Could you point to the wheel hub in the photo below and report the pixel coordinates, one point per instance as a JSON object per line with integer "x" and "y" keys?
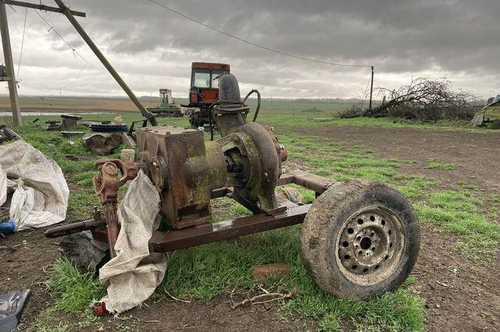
{"x": 370, "y": 243}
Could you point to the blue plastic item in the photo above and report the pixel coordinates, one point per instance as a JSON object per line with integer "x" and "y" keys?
{"x": 8, "y": 227}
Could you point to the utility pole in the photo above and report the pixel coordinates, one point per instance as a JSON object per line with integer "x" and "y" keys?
{"x": 62, "y": 9}
{"x": 9, "y": 66}
{"x": 371, "y": 90}
{"x": 67, "y": 12}
{"x": 7, "y": 50}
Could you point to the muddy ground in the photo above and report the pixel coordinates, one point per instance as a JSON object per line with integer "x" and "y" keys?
{"x": 459, "y": 295}
{"x": 475, "y": 155}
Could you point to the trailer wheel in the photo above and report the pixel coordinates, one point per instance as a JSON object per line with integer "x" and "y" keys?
{"x": 360, "y": 240}
{"x": 84, "y": 252}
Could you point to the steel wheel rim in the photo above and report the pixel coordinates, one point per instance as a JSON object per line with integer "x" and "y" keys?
{"x": 369, "y": 246}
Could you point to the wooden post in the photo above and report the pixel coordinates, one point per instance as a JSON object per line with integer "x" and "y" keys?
{"x": 9, "y": 65}
{"x": 371, "y": 90}
{"x": 67, "y": 12}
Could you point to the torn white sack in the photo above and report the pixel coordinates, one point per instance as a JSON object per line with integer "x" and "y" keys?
{"x": 41, "y": 192}
{"x": 3, "y": 186}
{"x": 129, "y": 283}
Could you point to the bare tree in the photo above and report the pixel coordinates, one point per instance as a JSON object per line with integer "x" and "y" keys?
{"x": 424, "y": 99}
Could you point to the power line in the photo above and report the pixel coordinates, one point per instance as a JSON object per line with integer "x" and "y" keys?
{"x": 52, "y": 28}
{"x": 245, "y": 41}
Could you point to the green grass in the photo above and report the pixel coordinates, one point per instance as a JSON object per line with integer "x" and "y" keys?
{"x": 460, "y": 213}
{"x": 205, "y": 272}
{"x": 440, "y": 166}
{"x": 73, "y": 290}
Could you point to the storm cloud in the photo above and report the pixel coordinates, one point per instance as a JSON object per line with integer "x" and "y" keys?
{"x": 153, "y": 47}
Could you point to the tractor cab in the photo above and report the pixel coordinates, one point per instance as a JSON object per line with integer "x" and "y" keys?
{"x": 204, "y": 90}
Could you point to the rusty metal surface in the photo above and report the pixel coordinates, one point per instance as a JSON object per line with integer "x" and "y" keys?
{"x": 184, "y": 169}
{"x": 107, "y": 184}
{"x": 86, "y": 225}
{"x": 194, "y": 236}
{"x": 210, "y": 66}
{"x": 254, "y": 166}
{"x": 103, "y": 144}
{"x": 70, "y": 122}
{"x": 312, "y": 182}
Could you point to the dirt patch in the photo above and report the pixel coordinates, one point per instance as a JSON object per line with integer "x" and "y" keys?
{"x": 31, "y": 255}
{"x": 25, "y": 257}
{"x": 473, "y": 154}
{"x": 459, "y": 296}
{"x": 167, "y": 315}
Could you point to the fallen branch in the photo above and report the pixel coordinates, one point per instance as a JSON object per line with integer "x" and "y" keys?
{"x": 154, "y": 321}
{"x": 261, "y": 299}
{"x": 176, "y": 299}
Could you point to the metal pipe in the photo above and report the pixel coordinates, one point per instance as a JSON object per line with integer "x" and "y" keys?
{"x": 312, "y": 182}
{"x": 113, "y": 229}
{"x": 76, "y": 227}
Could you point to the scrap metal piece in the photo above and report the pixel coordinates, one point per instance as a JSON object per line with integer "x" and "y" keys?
{"x": 109, "y": 128}
{"x": 107, "y": 137}
{"x": 206, "y": 233}
{"x": 312, "y": 182}
{"x": 103, "y": 144}
{"x": 7, "y": 134}
{"x": 70, "y": 122}
{"x": 75, "y": 227}
{"x": 11, "y": 309}
{"x": 107, "y": 184}
{"x": 53, "y": 125}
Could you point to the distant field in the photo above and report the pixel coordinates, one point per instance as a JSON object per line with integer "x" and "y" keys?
{"x": 119, "y": 104}
{"x": 32, "y": 103}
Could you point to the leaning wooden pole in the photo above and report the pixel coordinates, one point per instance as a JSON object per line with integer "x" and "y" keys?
{"x": 9, "y": 66}
{"x": 67, "y": 12}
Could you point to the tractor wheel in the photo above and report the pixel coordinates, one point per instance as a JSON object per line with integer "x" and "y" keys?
{"x": 360, "y": 240}
{"x": 84, "y": 252}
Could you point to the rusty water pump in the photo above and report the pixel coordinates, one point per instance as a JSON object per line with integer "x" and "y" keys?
{"x": 358, "y": 239}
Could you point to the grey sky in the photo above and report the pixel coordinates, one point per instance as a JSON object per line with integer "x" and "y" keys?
{"x": 153, "y": 48}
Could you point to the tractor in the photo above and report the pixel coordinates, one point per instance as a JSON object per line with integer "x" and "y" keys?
{"x": 167, "y": 107}
{"x": 357, "y": 239}
{"x": 204, "y": 91}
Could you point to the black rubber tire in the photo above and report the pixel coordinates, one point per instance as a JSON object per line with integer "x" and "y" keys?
{"x": 109, "y": 128}
{"x": 323, "y": 226}
{"x": 84, "y": 252}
